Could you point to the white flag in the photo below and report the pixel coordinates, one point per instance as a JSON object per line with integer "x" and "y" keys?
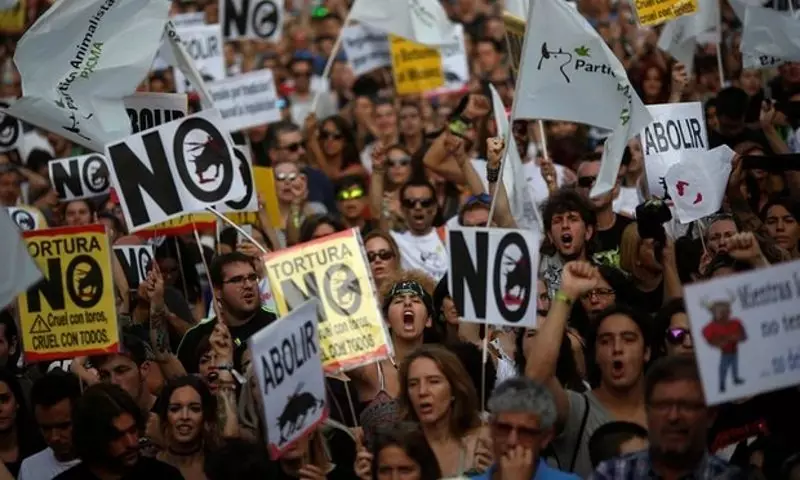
{"x": 518, "y": 8}
{"x": 679, "y": 37}
{"x": 568, "y": 73}
{"x": 19, "y": 269}
{"x": 519, "y": 198}
{"x": 80, "y": 59}
{"x": 421, "y": 21}
{"x": 697, "y": 183}
{"x": 177, "y": 56}
{"x": 769, "y": 37}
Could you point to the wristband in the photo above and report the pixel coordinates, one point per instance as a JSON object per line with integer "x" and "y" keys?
{"x": 563, "y": 297}
{"x": 492, "y": 174}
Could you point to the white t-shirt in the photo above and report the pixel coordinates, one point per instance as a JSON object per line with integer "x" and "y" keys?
{"x": 627, "y": 201}
{"x": 426, "y": 253}
{"x": 43, "y": 466}
{"x": 366, "y": 157}
{"x": 536, "y": 184}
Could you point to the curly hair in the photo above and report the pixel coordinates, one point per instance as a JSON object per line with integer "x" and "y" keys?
{"x": 428, "y": 284}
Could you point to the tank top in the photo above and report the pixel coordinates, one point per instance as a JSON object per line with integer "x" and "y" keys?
{"x": 381, "y": 410}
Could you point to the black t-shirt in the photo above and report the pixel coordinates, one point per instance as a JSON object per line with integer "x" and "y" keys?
{"x": 145, "y": 468}
{"x": 716, "y": 139}
{"x": 612, "y": 238}
{"x": 187, "y": 351}
{"x": 648, "y": 302}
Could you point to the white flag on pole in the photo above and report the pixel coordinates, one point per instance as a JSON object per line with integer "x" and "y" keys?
{"x": 697, "y": 183}
{"x": 421, "y": 21}
{"x": 568, "y": 73}
{"x": 679, "y": 37}
{"x": 769, "y": 37}
{"x": 519, "y": 198}
{"x": 518, "y": 8}
{"x": 76, "y": 91}
{"x": 19, "y": 269}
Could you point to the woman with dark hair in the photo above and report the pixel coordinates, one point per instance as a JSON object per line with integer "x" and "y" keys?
{"x": 399, "y": 450}
{"x": 759, "y": 185}
{"x": 392, "y": 167}
{"x": 780, "y": 219}
{"x": 318, "y": 226}
{"x": 672, "y": 322}
{"x": 187, "y": 411}
{"x": 437, "y": 393}
{"x": 333, "y": 146}
{"x": 19, "y": 436}
{"x": 174, "y": 261}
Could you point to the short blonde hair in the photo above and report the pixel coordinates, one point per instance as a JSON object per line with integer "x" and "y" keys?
{"x": 629, "y": 247}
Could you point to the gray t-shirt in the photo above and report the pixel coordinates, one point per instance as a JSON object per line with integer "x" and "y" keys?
{"x": 564, "y": 445}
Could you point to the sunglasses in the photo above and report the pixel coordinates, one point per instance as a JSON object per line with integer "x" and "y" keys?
{"x": 285, "y": 176}
{"x": 330, "y": 135}
{"x": 382, "y": 254}
{"x": 293, "y": 147}
{"x": 352, "y": 194}
{"x": 400, "y": 162}
{"x": 586, "y": 182}
{"x": 422, "y": 202}
{"x": 600, "y": 292}
{"x": 676, "y": 336}
{"x": 483, "y": 198}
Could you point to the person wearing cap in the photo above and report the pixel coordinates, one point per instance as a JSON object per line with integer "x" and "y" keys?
{"x": 475, "y": 211}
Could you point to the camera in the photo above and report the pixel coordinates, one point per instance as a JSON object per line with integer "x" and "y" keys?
{"x": 650, "y": 219}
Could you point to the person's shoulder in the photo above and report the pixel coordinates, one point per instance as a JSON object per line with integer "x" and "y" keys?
{"x": 78, "y": 472}
{"x": 151, "y": 466}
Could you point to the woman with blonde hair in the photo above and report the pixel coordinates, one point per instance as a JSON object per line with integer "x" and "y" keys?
{"x": 436, "y": 392}
{"x": 653, "y": 270}
{"x": 383, "y": 255}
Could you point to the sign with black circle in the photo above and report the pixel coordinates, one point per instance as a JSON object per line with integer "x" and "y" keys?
{"x": 24, "y": 218}
{"x": 252, "y": 19}
{"x": 79, "y": 177}
{"x": 492, "y": 275}
{"x": 265, "y": 19}
{"x": 10, "y": 129}
{"x": 185, "y": 166}
{"x": 136, "y": 262}
{"x": 95, "y": 174}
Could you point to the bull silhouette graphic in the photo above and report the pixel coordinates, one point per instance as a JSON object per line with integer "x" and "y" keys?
{"x": 298, "y": 407}
{"x": 211, "y": 155}
{"x": 518, "y": 276}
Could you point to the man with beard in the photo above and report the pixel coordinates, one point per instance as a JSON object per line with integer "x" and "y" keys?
{"x": 610, "y": 225}
{"x": 569, "y": 222}
{"x": 235, "y": 283}
{"x": 618, "y": 343}
{"x": 105, "y": 429}
{"x": 677, "y": 421}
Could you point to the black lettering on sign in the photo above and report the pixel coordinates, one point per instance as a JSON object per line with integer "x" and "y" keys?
{"x": 197, "y": 142}
{"x": 282, "y": 360}
{"x": 82, "y": 276}
{"x": 66, "y": 178}
{"x": 95, "y": 174}
{"x": 673, "y": 135}
{"x": 247, "y": 177}
{"x": 342, "y": 290}
{"x": 136, "y": 262}
{"x": 202, "y": 48}
{"x": 236, "y": 13}
{"x": 10, "y": 129}
{"x": 469, "y": 277}
{"x": 148, "y": 118}
{"x": 511, "y": 277}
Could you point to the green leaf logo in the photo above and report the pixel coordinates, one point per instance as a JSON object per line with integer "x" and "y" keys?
{"x": 625, "y": 116}
{"x": 582, "y": 51}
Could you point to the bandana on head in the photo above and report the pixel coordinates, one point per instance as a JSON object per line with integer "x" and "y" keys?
{"x": 410, "y": 287}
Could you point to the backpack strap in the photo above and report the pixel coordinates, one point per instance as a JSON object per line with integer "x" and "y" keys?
{"x": 580, "y": 433}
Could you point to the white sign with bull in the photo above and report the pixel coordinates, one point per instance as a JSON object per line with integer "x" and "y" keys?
{"x": 288, "y": 366}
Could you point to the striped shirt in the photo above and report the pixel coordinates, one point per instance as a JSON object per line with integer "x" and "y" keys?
{"x": 637, "y": 466}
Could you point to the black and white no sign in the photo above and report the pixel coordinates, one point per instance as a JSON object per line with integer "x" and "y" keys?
{"x": 79, "y": 177}
{"x": 492, "y": 275}
{"x": 136, "y": 262}
{"x": 181, "y": 167}
{"x": 288, "y": 366}
{"x": 251, "y": 19}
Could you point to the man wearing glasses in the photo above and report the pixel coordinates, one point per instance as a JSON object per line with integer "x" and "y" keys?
{"x": 523, "y": 416}
{"x": 351, "y": 202}
{"x": 236, "y": 293}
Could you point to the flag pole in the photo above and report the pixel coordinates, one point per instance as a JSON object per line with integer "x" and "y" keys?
{"x": 329, "y": 63}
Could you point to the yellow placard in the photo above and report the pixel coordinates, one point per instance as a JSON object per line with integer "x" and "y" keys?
{"x": 180, "y": 225}
{"x": 242, "y": 218}
{"x": 416, "y": 68}
{"x": 72, "y": 311}
{"x": 333, "y": 269}
{"x": 654, "y": 12}
{"x": 265, "y": 186}
{"x": 13, "y": 20}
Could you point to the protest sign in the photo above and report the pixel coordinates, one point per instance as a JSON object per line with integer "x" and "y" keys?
{"x": 12, "y": 20}
{"x": 492, "y": 274}
{"x": 416, "y": 68}
{"x": 769, "y": 37}
{"x": 19, "y": 270}
{"x": 77, "y": 91}
{"x": 454, "y": 62}
{"x": 654, "y": 12}
{"x": 136, "y": 261}
{"x": 366, "y": 49}
{"x": 147, "y": 110}
{"x": 248, "y": 202}
{"x": 746, "y": 331}
{"x": 181, "y": 225}
{"x": 334, "y": 270}
{"x": 265, "y": 187}
{"x": 26, "y": 218}
{"x": 79, "y": 177}
{"x": 10, "y": 130}
{"x": 246, "y": 100}
{"x": 151, "y": 172}
{"x": 72, "y": 311}
{"x": 697, "y": 184}
{"x": 676, "y": 129}
{"x": 203, "y": 44}
{"x": 286, "y": 357}
{"x": 251, "y": 19}
{"x": 188, "y": 19}
{"x": 175, "y": 54}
